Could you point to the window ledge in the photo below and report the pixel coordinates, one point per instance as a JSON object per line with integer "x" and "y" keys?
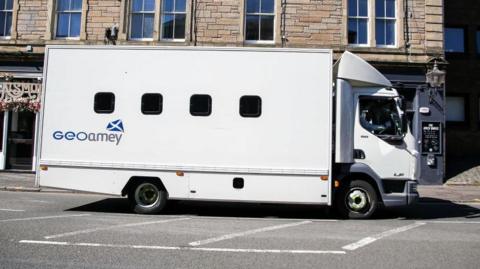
{"x": 359, "y": 46}
{"x": 260, "y": 42}
{"x": 68, "y": 38}
{"x": 387, "y": 46}
{"x": 175, "y": 40}
{"x": 141, "y": 39}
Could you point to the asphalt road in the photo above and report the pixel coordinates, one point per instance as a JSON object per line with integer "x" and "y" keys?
{"x": 65, "y": 230}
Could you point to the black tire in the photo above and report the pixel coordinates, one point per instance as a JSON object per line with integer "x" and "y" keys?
{"x": 356, "y": 200}
{"x": 147, "y": 197}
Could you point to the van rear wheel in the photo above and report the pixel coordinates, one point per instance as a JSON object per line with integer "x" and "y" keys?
{"x": 147, "y": 197}
{"x": 357, "y": 200}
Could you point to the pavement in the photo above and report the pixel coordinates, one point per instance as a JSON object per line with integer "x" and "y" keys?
{"x": 462, "y": 193}
{"x": 18, "y": 181}
{"x": 463, "y": 170}
{"x": 65, "y": 230}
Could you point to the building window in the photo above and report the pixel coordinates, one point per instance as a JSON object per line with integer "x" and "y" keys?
{"x": 259, "y": 20}
{"x": 385, "y": 21}
{"x": 104, "y": 102}
{"x": 250, "y": 106}
{"x": 358, "y": 22}
{"x": 142, "y": 16}
{"x": 200, "y": 105}
{"x": 173, "y": 19}
{"x": 6, "y": 11}
{"x": 69, "y": 15}
{"x": 454, "y": 40}
{"x": 455, "y": 108}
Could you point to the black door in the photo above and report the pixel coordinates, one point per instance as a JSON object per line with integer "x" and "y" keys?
{"x": 21, "y": 126}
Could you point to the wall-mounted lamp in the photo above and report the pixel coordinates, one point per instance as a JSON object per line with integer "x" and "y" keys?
{"x": 435, "y": 76}
{"x": 435, "y": 79}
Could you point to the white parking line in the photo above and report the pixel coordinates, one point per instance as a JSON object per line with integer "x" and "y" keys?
{"x": 241, "y": 250}
{"x": 368, "y": 240}
{"x": 260, "y": 218}
{"x": 233, "y": 235}
{"x": 38, "y": 201}
{"x": 453, "y": 222}
{"x": 250, "y": 250}
{"x": 112, "y": 227}
{"x": 45, "y": 217}
{"x": 12, "y": 210}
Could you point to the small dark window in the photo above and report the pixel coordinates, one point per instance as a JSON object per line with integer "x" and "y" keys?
{"x": 455, "y": 40}
{"x": 104, "y": 102}
{"x": 200, "y": 105}
{"x": 250, "y": 106}
{"x": 238, "y": 183}
{"x": 152, "y": 103}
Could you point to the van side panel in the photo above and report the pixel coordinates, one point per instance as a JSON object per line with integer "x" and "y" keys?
{"x": 291, "y": 138}
{"x": 196, "y": 186}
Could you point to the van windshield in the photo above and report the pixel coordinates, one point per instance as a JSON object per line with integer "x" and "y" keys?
{"x": 380, "y": 116}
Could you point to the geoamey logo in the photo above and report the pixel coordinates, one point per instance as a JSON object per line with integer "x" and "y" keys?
{"x": 114, "y": 134}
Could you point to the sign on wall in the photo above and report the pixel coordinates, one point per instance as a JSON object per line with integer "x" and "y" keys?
{"x": 20, "y": 96}
{"x": 431, "y": 137}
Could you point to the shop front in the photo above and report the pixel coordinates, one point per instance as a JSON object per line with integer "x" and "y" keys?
{"x": 19, "y": 107}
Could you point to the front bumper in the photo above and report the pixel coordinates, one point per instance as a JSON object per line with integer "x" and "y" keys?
{"x": 412, "y": 193}
{"x": 408, "y": 197}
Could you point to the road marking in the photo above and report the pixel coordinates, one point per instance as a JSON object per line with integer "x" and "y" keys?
{"x": 38, "y": 201}
{"x": 44, "y": 242}
{"x": 249, "y": 250}
{"x": 11, "y": 210}
{"x": 241, "y": 250}
{"x": 453, "y": 222}
{"x": 45, "y": 217}
{"x": 474, "y": 203}
{"x": 112, "y": 227}
{"x": 368, "y": 240}
{"x": 261, "y": 218}
{"x": 233, "y": 235}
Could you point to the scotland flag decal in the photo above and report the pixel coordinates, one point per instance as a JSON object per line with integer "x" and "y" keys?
{"x": 115, "y": 126}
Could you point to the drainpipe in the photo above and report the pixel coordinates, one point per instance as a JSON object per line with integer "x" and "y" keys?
{"x": 406, "y": 29}
{"x": 283, "y": 23}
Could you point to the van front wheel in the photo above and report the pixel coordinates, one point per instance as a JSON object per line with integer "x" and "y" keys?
{"x": 147, "y": 197}
{"x": 357, "y": 200}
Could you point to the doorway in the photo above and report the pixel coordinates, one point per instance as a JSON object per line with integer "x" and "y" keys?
{"x": 20, "y": 140}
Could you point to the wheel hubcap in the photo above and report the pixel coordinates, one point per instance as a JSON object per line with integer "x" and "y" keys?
{"x": 357, "y": 200}
{"x": 146, "y": 194}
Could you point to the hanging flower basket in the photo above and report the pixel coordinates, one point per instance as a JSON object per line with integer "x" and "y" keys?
{"x": 20, "y": 105}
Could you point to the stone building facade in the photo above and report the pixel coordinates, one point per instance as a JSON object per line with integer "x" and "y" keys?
{"x": 298, "y": 23}
{"x": 462, "y": 51}
{"x": 398, "y": 36}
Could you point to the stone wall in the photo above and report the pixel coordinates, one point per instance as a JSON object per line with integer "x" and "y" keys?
{"x": 31, "y": 19}
{"x": 314, "y": 23}
{"x": 101, "y": 14}
{"x": 308, "y": 23}
{"x": 434, "y": 26}
{"x": 219, "y": 22}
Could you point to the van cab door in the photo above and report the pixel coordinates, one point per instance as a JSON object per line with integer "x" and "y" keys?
{"x": 378, "y": 137}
